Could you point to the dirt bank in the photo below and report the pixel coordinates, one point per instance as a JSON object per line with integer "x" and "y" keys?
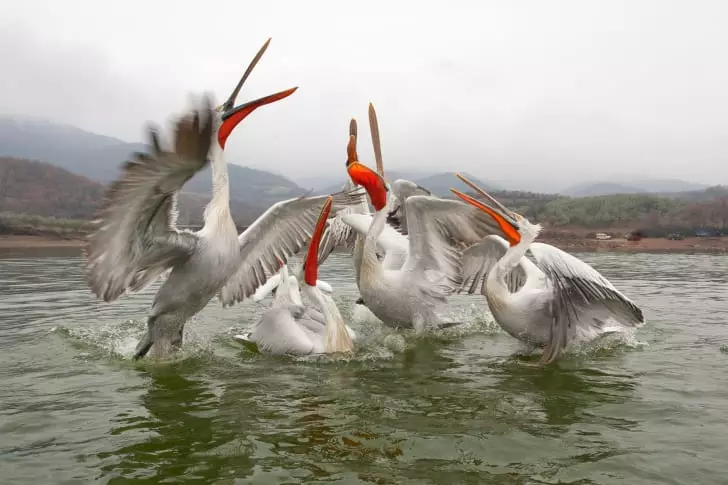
{"x": 717, "y": 245}
{"x": 16, "y": 242}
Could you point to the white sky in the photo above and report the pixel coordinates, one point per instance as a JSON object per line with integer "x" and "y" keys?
{"x": 564, "y": 90}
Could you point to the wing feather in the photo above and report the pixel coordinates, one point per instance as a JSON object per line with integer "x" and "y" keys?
{"x": 402, "y": 190}
{"x": 578, "y": 288}
{"x": 478, "y": 261}
{"x": 275, "y": 236}
{"x": 338, "y": 234}
{"x": 136, "y": 239}
{"x": 438, "y": 230}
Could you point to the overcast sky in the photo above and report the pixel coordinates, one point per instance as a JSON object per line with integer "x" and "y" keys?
{"x": 564, "y": 90}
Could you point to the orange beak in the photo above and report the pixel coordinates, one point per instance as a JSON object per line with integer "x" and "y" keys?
{"x": 310, "y": 274}
{"x": 510, "y": 229}
{"x": 371, "y": 181}
{"x": 232, "y": 116}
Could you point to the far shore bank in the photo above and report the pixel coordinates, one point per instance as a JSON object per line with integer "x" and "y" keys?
{"x": 715, "y": 245}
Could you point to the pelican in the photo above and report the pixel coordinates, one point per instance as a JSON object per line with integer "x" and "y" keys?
{"x": 289, "y": 327}
{"x": 407, "y": 297}
{"x": 557, "y": 300}
{"x": 137, "y": 239}
{"x": 340, "y": 234}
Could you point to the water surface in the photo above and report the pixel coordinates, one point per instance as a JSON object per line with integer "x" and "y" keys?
{"x": 455, "y": 407}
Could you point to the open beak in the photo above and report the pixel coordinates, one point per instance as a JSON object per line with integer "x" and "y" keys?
{"x": 231, "y": 115}
{"x": 310, "y": 270}
{"x": 371, "y": 181}
{"x": 507, "y": 223}
{"x": 489, "y": 197}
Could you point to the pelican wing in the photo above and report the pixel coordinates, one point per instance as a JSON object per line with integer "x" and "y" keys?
{"x": 136, "y": 240}
{"x": 438, "y": 229}
{"x": 578, "y": 289}
{"x": 274, "y": 237}
{"x": 478, "y": 261}
{"x": 402, "y": 190}
{"x": 394, "y": 245}
{"x": 337, "y": 233}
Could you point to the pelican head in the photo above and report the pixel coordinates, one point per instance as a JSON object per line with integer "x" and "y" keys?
{"x": 374, "y": 184}
{"x": 232, "y": 115}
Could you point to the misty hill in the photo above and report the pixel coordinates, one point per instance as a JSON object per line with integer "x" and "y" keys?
{"x": 439, "y": 183}
{"x": 39, "y": 188}
{"x": 645, "y": 186}
{"x": 98, "y": 157}
{"x": 324, "y": 183}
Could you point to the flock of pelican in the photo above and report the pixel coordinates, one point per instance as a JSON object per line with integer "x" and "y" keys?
{"x": 411, "y": 252}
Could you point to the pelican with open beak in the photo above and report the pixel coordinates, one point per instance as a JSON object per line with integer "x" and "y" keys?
{"x": 558, "y": 300}
{"x": 137, "y": 239}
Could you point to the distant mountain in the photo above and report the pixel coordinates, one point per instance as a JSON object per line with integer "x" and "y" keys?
{"x": 439, "y": 183}
{"x": 39, "y": 188}
{"x": 99, "y": 157}
{"x": 645, "y": 186}
{"x": 601, "y": 188}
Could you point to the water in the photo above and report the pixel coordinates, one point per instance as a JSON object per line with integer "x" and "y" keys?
{"x": 451, "y": 408}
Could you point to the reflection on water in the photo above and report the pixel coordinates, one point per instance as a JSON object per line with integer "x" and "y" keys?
{"x": 453, "y": 407}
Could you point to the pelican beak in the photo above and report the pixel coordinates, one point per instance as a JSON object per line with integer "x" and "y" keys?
{"x": 489, "y": 197}
{"x": 310, "y": 264}
{"x": 351, "y": 155}
{"x": 231, "y": 115}
{"x": 508, "y": 224}
{"x": 374, "y": 184}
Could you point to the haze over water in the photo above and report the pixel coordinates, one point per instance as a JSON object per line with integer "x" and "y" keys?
{"x": 451, "y": 408}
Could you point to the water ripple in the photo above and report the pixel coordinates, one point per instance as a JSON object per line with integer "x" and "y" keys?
{"x": 454, "y": 407}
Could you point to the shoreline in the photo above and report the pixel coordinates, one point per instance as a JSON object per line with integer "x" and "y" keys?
{"x": 694, "y": 245}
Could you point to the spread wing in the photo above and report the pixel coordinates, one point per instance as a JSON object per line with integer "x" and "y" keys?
{"x": 579, "y": 290}
{"x": 394, "y": 245}
{"x": 402, "y": 190}
{"x": 136, "y": 240}
{"x": 438, "y": 230}
{"x": 275, "y": 236}
{"x": 478, "y": 261}
{"x": 337, "y": 233}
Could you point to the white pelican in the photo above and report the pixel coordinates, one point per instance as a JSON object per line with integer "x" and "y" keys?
{"x": 137, "y": 239}
{"x": 549, "y": 304}
{"x": 341, "y": 234}
{"x": 289, "y": 327}
{"x": 407, "y": 297}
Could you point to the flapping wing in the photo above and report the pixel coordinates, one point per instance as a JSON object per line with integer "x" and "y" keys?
{"x": 274, "y": 237}
{"x": 394, "y": 245}
{"x": 338, "y": 234}
{"x": 438, "y": 231}
{"x": 136, "y": 240}
{"x": 478, "y": 261}
{"x": 577, "y": 289}
{"x": 402, "y": 190}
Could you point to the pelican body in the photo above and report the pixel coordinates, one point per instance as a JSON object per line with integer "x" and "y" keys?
{"x": 558, "y": 300}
